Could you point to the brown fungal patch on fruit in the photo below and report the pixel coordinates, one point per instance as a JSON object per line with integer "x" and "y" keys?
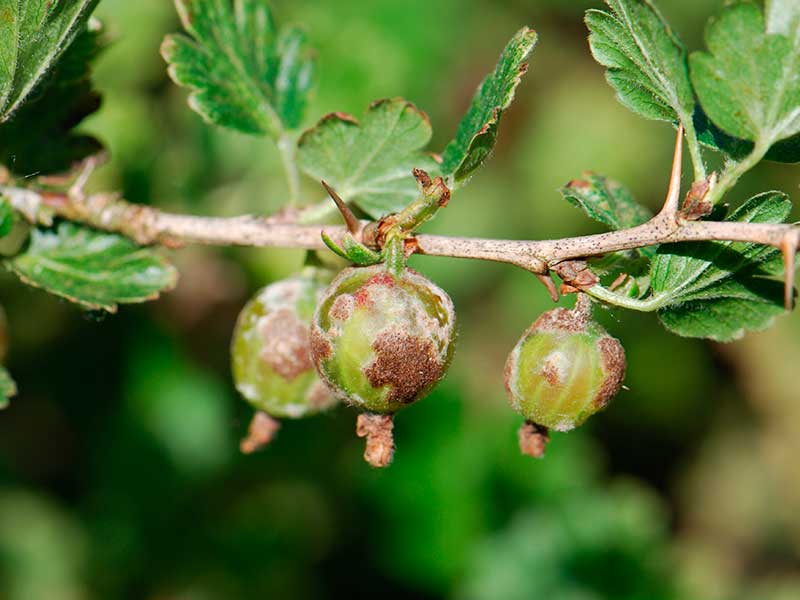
{"x": 320, "y": 346}
{"x": 406, "y": 363}
{"x": 286, "y": 346}
{"x": 533, "y": 439}
{"x": 560, "y": 319}
{"x": 342, "y": 307}
{"x": 613, "y": 356}
{"x": 319, "y": 397}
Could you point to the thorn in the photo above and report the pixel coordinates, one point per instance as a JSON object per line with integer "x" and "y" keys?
{"x": 352, "y": 222}
{"x": 76, "y": 190}
{"x": 621, "y": 278}
{"x": 789, "y": 249}
{"x": 549, "y": 284}
{"x": 674, "y": 190}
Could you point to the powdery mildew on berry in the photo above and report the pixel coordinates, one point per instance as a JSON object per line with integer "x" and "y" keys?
{"x": 381, "y": 341}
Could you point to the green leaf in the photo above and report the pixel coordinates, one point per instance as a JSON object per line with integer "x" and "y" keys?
{"x": 242, "y": 74}
{"x": 645, "y": 62}
{"x": 97, "y": 270}
{"x": 33, "y": 35}
{"x": 749, "y": 81}
{"x": 8, "y": 388}
{"x": 606, "y": 201}
{"x": 38, "y": 138}
{"x": 369, "y": 163}
{"x": 477, "y": 131}
{"x": 7, "y": 217}
{"x": 719, "y": 290}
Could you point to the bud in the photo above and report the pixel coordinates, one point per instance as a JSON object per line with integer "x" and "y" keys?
{"x": 270, "y": 355}
{"x": 382, "y": 341}
{"x": 564, "y": 369}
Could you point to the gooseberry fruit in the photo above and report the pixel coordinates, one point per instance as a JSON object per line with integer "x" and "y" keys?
{"x": 381, "y": 341}
{"x": 564, "y": 368}
{"x": 270, "y": 354}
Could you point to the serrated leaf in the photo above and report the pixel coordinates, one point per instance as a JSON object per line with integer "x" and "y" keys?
{"x": 95, "y": 269}
{"x": 749, "y": 80}
{"x": 38, "y": 139}
{"x": 477, "y": 131}
{"x": 33, "y": 35}
{"x": 8, "y": 388}
{"x": 645, "y": 62}
{"x": 369, "y": 163}
{"x": 242, "y": 73}
{"x": 688, "y": 278}
{"x": 606, "y": 201}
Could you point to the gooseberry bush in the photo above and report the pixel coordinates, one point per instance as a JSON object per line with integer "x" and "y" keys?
{"x": 357, "y": 325}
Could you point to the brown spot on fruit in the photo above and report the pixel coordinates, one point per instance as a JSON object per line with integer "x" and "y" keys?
{"x": 406, "y": 363}
{"x": 320, "y": 346}
{"x": 342, "y": 307}
{"x": 286, "y": 344}
{"x": 613, "y": 356}
{"x": 319, "y": 396}
{"x": 551, "y": 373}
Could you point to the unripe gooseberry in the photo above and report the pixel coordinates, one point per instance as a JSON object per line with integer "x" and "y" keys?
{"x": 270, "y": 353}
{"x": 381, "y": 341}
{"x": 563, "y": 369}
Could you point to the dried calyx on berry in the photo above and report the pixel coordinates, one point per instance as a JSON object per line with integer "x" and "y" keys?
{"x": 381, "y": 340}
{"x": 270, "y": 355}
{"x": 564, "y": 369}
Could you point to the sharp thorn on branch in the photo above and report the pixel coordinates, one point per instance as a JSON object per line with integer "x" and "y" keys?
{"x": 670, "y": 208}
{"x": 547, "y": 281}
{"x": 789, "y": 248}
{"x": 352, "y": 222}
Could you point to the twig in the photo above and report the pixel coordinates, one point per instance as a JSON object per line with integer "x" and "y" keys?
{"x": 147, "y": 225}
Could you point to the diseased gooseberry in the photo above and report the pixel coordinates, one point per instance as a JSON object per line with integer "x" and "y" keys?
{"x": 270, "y": 355}
{"x": 563, "y": 369}
{"x": 381, "y": 341}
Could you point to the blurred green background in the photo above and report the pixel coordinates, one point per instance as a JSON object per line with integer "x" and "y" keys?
{"x": 119, "y": 470}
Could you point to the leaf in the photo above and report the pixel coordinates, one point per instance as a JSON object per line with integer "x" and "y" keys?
{"x": 38, "y": 139}
{"x": 242, "y": 74}
{"x": 8, "y": 388}
{"x": 749, "y": 81}
{"x": 645, "y": 62}
{"x": 97, "y": 270}
{"x": 7, "y": 217}
{"x": 606, "y": 201}
{"x": 369, "y": 163}
{"x": 33, "y": 35}
{"x": 719, "y": 290}
{"x": 477, "y": 131}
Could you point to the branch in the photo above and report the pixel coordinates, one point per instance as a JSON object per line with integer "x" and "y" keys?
{"x": 147, "y": 225}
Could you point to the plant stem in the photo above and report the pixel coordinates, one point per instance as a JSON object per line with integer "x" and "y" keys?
{"x": 287, "y": 147}
{"x": 694, "y": 150}
{"x": 147, "y": 225}
{"x": 730, "y": 176}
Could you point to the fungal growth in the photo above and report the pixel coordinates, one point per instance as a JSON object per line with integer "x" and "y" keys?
{"x": 271, "y": 359}
{"x": 381, "y": 341}
{"x": 563, "y": 369}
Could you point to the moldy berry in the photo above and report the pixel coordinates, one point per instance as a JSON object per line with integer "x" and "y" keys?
{"x": 270, "y": 354}
{"x": 382, "y": 341}
{"x": 563, "y": 369}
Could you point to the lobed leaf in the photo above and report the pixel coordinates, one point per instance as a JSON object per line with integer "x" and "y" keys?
{"x": 749, "y": 80}
{"x": 33, "y": 35}
{"x": 242, "y": 73}
{"x": 477, "y": 131}
{"x": 38, "y": 139}
{"x": 97, "y": 270}
{"x": 370, "y": 163}
{"x": 645, "y": 63}
{"x": 719, "y": 290}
